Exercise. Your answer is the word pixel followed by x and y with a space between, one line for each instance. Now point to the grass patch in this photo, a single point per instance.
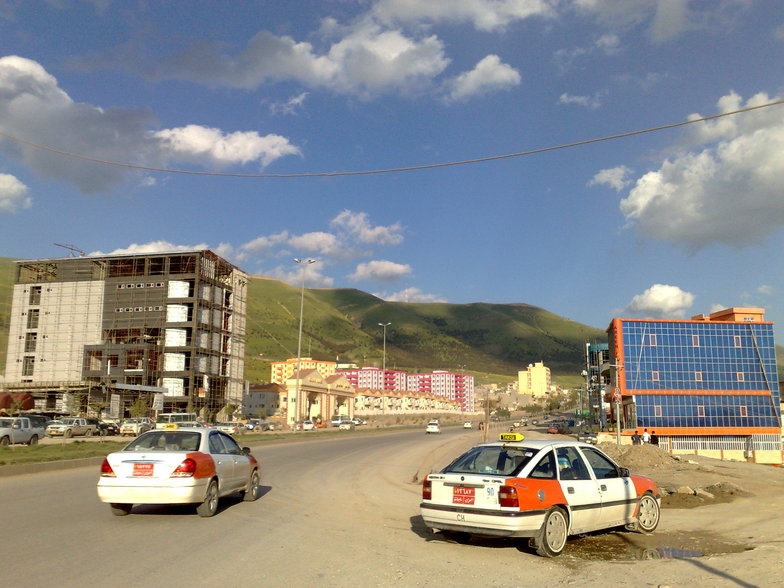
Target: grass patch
pixel 22 454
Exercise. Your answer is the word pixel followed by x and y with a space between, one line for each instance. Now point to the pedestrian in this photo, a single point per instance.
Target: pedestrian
pixel 635 438
pixel 654 438
pixel 646 436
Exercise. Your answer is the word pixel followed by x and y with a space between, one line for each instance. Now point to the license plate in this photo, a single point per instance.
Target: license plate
pixel 142 469
pixel 463 495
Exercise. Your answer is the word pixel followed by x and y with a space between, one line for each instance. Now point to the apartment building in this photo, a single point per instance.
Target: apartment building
pixel 535 380
pixel 706 385
pixel 282 371
pixel 168 327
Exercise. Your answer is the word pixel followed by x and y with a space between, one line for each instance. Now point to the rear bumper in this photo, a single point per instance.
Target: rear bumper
pixel 495 523
pixel 183 491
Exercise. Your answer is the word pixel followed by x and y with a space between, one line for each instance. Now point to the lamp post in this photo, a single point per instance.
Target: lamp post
pixel 617 400
pixel 299 337
pixel 384 367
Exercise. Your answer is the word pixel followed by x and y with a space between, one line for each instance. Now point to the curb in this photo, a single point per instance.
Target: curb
pixel 48 466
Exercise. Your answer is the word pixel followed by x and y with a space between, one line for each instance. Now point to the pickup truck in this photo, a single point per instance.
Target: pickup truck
pixel 136 426
pixel 19 430
pixel 71 427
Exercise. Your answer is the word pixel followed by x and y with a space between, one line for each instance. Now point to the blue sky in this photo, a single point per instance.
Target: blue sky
pixel 664 224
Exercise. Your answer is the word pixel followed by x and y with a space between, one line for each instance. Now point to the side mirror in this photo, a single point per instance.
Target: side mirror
pixel 246 451
pixel 624 472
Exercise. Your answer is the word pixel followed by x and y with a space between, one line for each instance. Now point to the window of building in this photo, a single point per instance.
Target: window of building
pixel 657 410
pixel 698 376
pixel 700 410
pixel 737 340
pixel 652 340
pixel 739 376
pixel 743 411
pixel 695 340
pixel 655 376
pixel 35 295
pixel 30 342
pixel 28 363
pixel 32 318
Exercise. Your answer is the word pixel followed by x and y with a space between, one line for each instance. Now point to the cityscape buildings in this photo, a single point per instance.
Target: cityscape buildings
pixel 535 380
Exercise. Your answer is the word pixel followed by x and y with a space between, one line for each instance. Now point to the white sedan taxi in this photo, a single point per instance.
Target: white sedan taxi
pixel 433 427
pixel 178 465
pixel 545 490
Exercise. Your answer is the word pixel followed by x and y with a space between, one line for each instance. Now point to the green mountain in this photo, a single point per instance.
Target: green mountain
pixel 492 341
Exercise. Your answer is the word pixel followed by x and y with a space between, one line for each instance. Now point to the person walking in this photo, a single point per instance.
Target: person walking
pixel 654 438
pixel 646 436
pixel 635 438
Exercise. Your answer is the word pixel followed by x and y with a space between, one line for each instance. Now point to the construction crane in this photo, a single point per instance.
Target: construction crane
pixel 72 248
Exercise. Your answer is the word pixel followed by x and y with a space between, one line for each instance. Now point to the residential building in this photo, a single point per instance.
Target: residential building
pixel 452 386
pixel 706 385
pixel 535 380
pixel 168 327
pixel 262 400
pixel 376 378
pixel 281 371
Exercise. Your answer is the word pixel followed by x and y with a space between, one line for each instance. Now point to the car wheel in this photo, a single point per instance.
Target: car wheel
pixel 33 440
pixel 647 515
pixel 210 505
pixel 252 493
pixel 67 434
pixel 5 442
pixel 120 510
pixel 551 540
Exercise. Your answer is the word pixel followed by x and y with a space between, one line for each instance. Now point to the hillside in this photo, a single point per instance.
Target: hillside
pixel 493 341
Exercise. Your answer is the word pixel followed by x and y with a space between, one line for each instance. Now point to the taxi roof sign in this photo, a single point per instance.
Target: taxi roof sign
pixel 170 426
pixel 511 437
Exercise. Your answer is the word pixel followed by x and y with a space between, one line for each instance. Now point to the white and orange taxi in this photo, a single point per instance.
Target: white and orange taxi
pixel 545 490
pixel 178 465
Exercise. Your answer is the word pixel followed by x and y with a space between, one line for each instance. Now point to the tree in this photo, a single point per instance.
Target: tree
pixel 229 409
pixel 140 407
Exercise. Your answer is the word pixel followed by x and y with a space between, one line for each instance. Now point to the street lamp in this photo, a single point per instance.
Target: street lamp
pixel 299 337
pixel 384 366
pixel 617 399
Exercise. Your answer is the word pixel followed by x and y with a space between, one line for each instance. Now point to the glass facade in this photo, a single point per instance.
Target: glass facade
pixel 693 374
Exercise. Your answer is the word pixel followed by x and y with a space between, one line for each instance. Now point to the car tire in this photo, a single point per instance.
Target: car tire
pixel 252 493
pixel 33 440
pixel 120 509
pixel 648 515
pixel 5 441
pixel 210 505
pixel 67 434
pixel 551 539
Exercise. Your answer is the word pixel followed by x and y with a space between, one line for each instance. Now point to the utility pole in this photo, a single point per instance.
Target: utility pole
pixel 299 338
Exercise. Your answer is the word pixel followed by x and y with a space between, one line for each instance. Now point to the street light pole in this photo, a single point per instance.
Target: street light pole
pixel 299 337
pixel 617 400
pixel 384 368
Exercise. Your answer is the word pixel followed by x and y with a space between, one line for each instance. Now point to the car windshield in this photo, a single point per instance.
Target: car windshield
pixel 6 422
pixel 497 460
pixel 165 441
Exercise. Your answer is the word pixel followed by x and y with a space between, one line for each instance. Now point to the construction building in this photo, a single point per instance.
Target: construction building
pixel 168 328
pixel 706 385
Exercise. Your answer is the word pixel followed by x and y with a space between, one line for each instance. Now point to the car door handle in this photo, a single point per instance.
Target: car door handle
pixel 569 490
pixel 604 488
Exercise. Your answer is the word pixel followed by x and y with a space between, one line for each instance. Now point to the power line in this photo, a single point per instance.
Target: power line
pixel 394 169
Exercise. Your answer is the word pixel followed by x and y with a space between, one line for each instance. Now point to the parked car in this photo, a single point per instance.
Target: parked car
pixel 15 430
pixel 136 426
pixel 346 426
pixel 193 465
pixel 231 428
pixel 358 421
pixel 71 427
pixel 304 426
pixel 543 490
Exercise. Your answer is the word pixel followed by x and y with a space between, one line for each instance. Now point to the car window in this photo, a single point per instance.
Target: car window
pixel 603 466
pixel 497 460
pixel 230 444
pixel 216 444
pixel 545 469
pixel 571 465
pixel 146 442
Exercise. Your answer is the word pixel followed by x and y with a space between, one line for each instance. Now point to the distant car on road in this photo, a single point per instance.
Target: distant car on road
pixel 178 466
pixel 433 427
pixel 231 428
pixel 305 426
pixel 346 426
pixel 468 425
pixel 543 490
pixel 71 427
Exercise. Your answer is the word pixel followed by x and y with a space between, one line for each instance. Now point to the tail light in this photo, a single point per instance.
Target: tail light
pixel 507 496
pixel 186 469
pixel 427 490
pixel 106 470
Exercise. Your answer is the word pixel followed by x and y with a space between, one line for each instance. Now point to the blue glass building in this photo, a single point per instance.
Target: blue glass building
pixel 709 383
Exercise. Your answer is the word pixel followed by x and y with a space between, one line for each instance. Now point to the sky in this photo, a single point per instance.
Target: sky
pixel 265 131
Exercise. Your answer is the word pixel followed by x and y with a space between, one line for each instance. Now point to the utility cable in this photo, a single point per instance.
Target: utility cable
pixel 394 169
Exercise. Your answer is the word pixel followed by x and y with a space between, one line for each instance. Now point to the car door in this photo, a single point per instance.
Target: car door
pixel 241 461
pixel 224 463
pixel 580 489
pixel 619 497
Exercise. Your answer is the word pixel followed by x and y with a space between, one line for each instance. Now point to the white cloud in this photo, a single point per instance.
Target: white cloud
pixel 484 15
pixel 151 247
pixel 616 177
pixel 312 272
pixel 490 74
pixel 661 301
pixel 317 243
pixel 13 195
pixel 380 271
pixel 264 244
pixel 410 295
pixel 33 107
pixel 359 227
pixel 590 102
pixel 729 192
pixel 208 145
pixel 766 290
pixel 290 106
